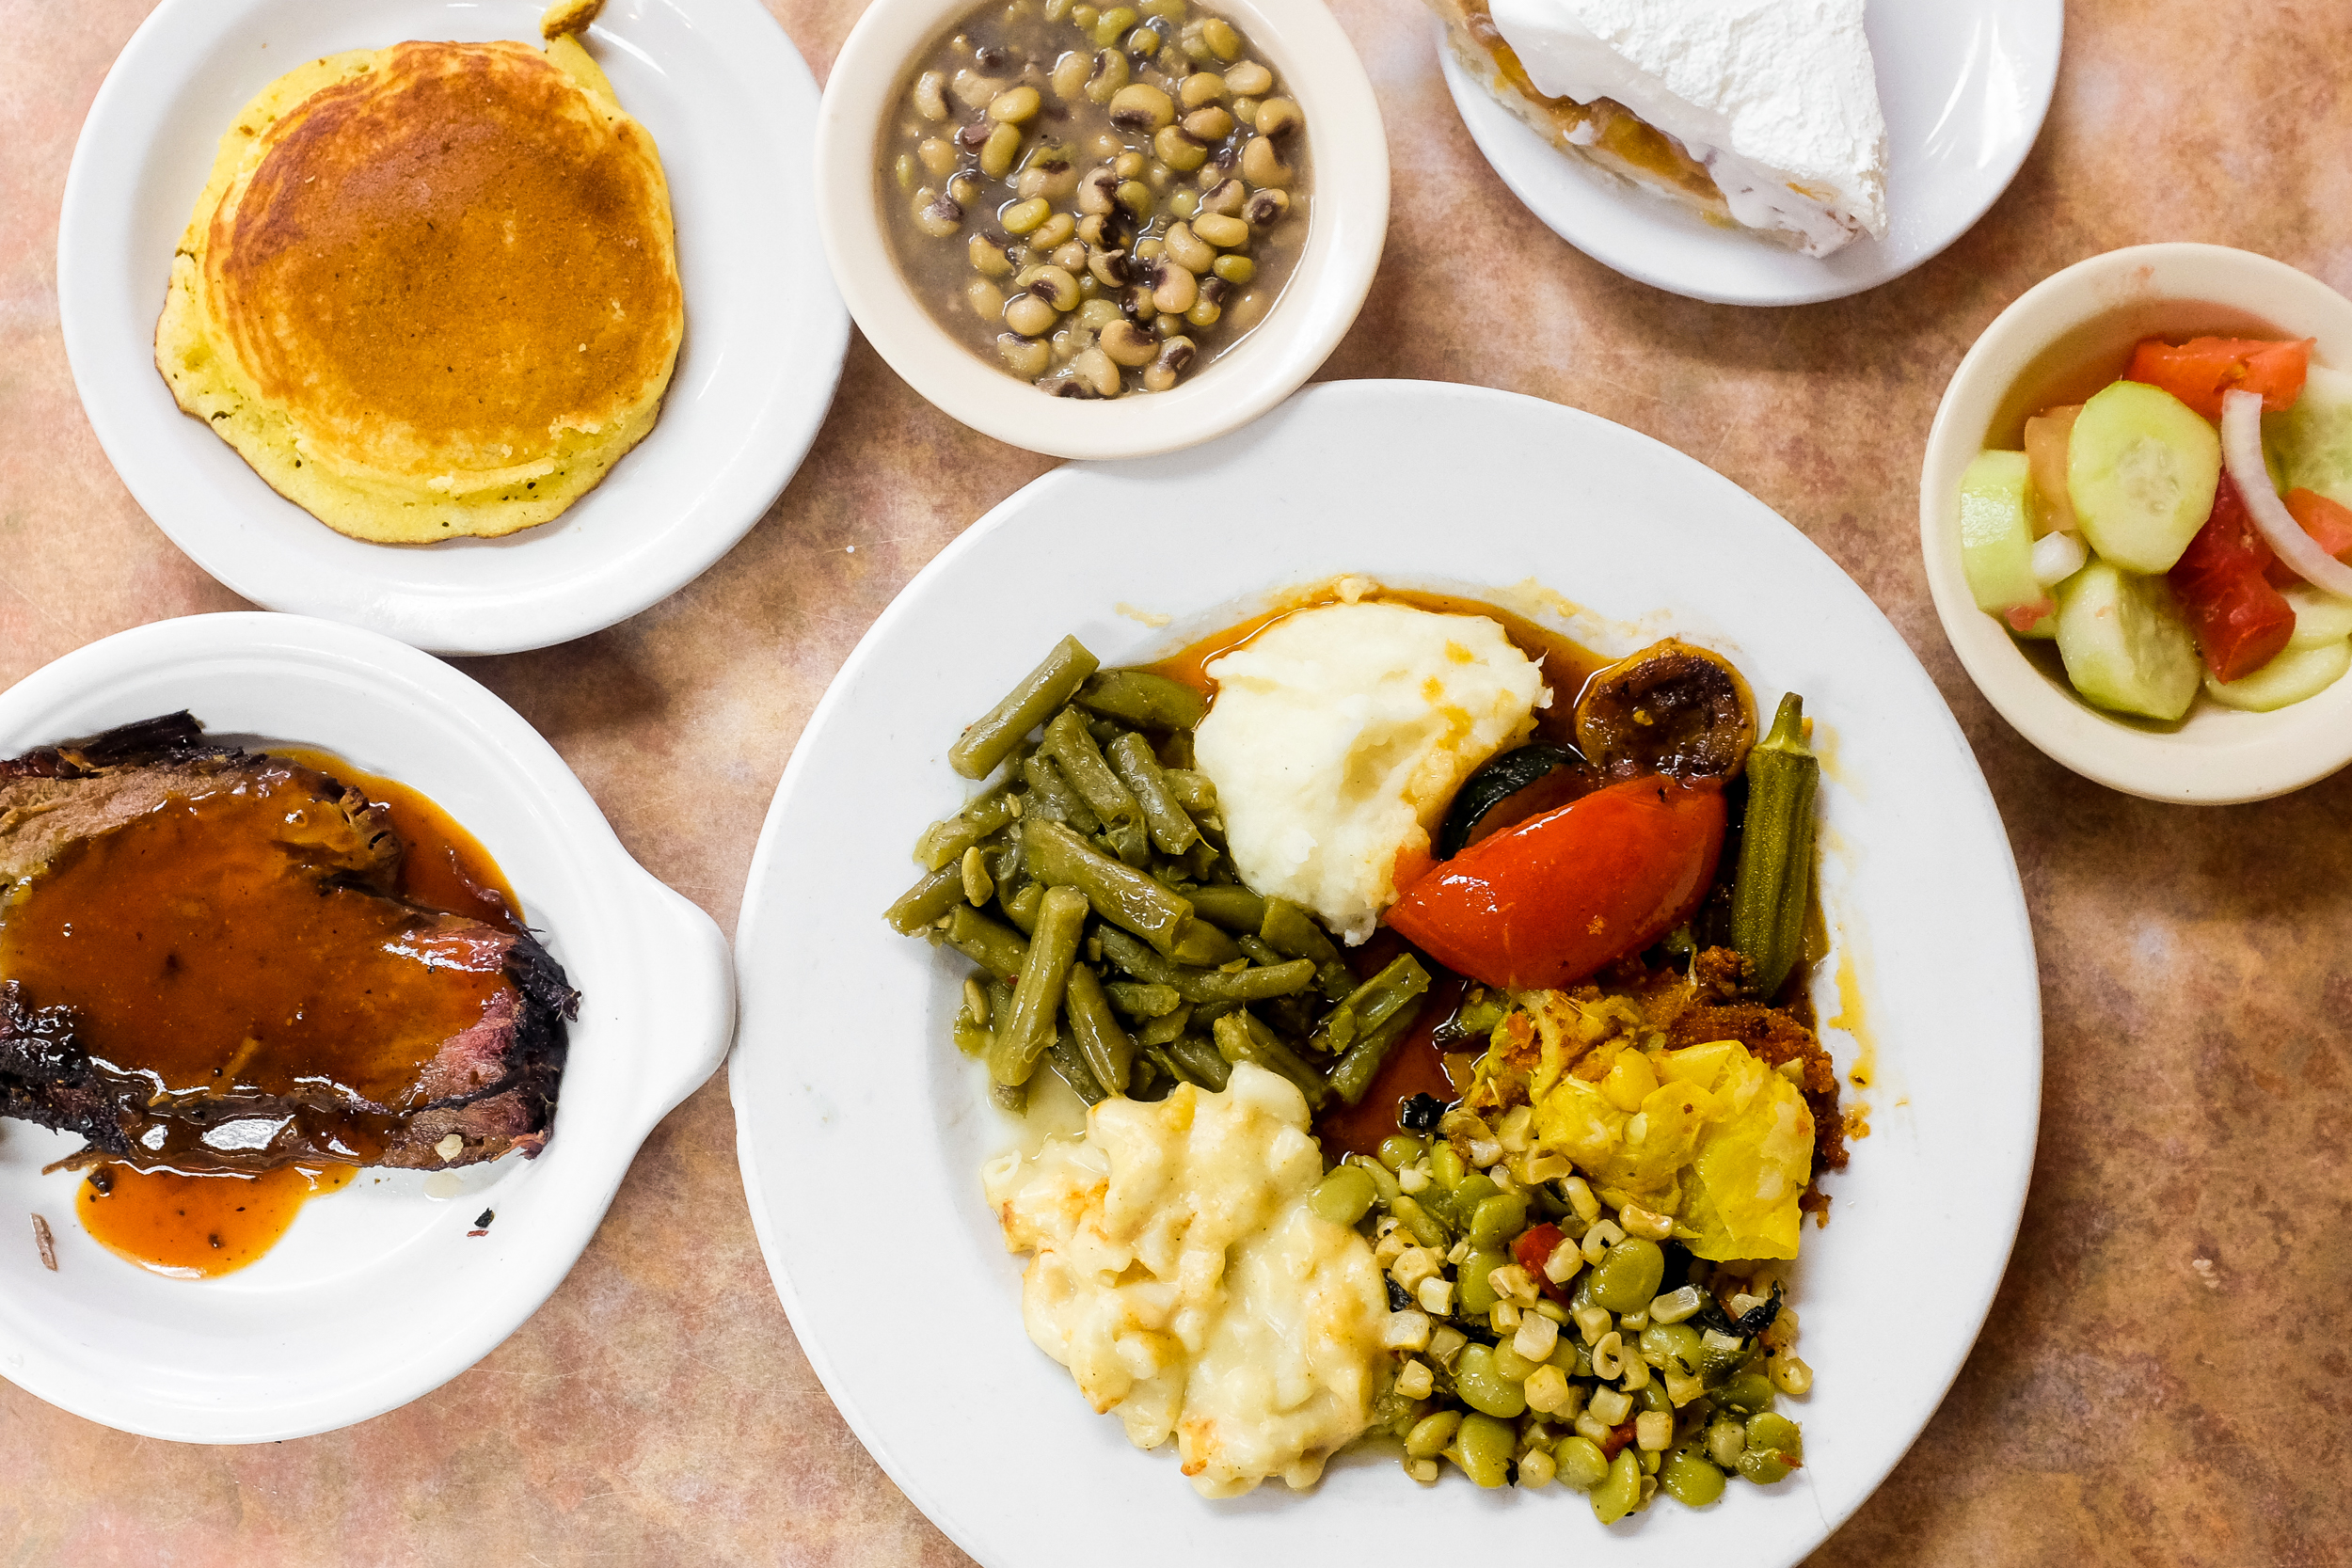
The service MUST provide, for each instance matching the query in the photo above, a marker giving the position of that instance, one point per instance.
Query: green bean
(997, 948)
(1160, 1030)
(1477, 1295)
(945, 840)
(1482, 1449)
(1238, 986)
(1037, 997)
(1101, 1040)
(1131, 842)
(1206, 947)
(1139, 771)
(1072, 747)
(971, 1037)
(992, 736)
(1012, 1098)
(1690, 1479)
(1200, 1062)
(937, 893)
(1433, 1434)
(1352, 1076)
(1142, 1001)
(1020, 906)
(1485, 1389)
(1767, 893)
(1582, 1463)
(1496, 1219)
(1119, 894)
(1426, 1227)
(1291, 932)
(1142, 698)
(1345, 1195)
(1258, 952)
(1613, 1498)
(1372, 1004)
(1626, 1278)
(1051, 798)
(1066, 1059)
(1243, 1038)
(1157, 1055)
(1193, 790)
(1233, 907)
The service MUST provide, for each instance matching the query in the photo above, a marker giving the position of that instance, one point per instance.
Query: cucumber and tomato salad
(2126, 533)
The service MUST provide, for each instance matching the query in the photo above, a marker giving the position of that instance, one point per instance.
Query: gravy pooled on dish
(1100, 201)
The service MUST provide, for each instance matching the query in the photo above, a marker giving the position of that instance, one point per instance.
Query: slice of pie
(1759, 114)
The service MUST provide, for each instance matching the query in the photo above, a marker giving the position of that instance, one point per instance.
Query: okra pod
(1242, 1038)
(1037, 997)
(1120, 892)
(1131, 758)
(1072, 746)
(1095, 1027)
(998, 949)
(992, 738)
(1372, 1004)
(1776, 873)
(1143, 699)
(926, 901)
(1353, 1074)
(945, 841)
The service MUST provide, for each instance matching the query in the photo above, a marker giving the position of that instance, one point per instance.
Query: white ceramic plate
(862, 1130)
(1963, 84)
(376, 1294)
(732, 107)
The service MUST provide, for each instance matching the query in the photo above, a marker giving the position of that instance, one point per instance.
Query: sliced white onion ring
(2242, 454)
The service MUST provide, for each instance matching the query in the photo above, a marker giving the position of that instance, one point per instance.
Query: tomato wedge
(2200, 370)
(2328, 523)
(1550, 901)
(2240, 620)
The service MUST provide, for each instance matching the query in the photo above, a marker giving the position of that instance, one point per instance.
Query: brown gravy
(197, 1227)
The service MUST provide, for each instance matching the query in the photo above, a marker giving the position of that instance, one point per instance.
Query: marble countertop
(2163, 1377)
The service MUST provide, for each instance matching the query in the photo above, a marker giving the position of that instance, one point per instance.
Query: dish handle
(696, 972)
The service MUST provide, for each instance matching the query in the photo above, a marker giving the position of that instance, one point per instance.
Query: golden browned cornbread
(430, 290)
(1604, 131)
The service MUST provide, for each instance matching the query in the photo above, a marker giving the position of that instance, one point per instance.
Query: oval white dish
(1963, 87)
(377, 1294)
(729, 102)
(843, 1063)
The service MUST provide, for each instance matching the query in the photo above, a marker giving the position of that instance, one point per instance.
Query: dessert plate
(1965, 87)
(843, 1070)
(732, 107)
(379, 1293)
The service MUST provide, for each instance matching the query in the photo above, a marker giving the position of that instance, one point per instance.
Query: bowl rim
(2215, 756)
(1347, 230)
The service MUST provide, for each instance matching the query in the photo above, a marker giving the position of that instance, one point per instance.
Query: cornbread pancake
(430, 290)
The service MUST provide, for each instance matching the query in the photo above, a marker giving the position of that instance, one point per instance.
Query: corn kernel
(1537, 1337)
(1653, 1430)
(1435, 1295)
(1593, 1429)
(1566, 1260)
(1415, 1381)
(1537, 1469)
(1423, 1470)
(1547, 1390)
(1406, 1330)
(1790, 1374)
(1646, 1223)
(1674, 1305)
(1504, 1318)
(1609, 1356)
(1446, 1342)
(1610, 1407)
(1581, 1198)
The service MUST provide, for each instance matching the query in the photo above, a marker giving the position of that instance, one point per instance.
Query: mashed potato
(1339, 735)
(1181, 1277)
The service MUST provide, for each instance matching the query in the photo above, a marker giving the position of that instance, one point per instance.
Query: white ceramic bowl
(1349, 225)
(2062, 340)
(729, 102)
(377, 1294)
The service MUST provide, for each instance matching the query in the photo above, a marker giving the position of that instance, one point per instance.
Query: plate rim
(753, 916)
(101, 185)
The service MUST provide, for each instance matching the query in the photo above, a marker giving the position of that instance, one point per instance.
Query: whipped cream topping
(1778, 99)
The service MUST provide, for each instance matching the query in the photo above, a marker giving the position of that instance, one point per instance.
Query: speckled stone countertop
(2164, 1380)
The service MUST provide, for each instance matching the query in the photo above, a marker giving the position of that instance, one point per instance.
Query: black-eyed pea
(1211, 124)
(904, 170)
(1277, 116)
(1096, 315)
(1149, 250)
(998, 152)
(1110, 269)
(1054, 10)
(1219, 35)
(1130, 166)
(1069, 77)
(937, 155)
(1083, 17)
(1156, 176)
(1135, 196)
(1202, 88)
(985, 299)
(964, 190)
(1030, 316)
(937, 213)
(1222, 231)
(1127, 344)
(975, 91)
(1235, 269)
(1015, 106)
(1070, 256)
(988, 258)
(1262, 166)
(1143, 43)
(1179, 149)
(1227, 195)
(1174, 359)
(1141, 106)
(1185, 249)
(1136, 306)
(1051, 176)
(1112, 23)
(1090, 229)
(1108, 76)
(1104, 146)
(1265, 208)
(930, 95)
(1173, 288)
(1095, 368)
(1022, 216)
(1054, 232)
(1022, 356)
(1248, 80)
(1182, 204)
(1053, 285)
(1097, 191)
(1173, 63)
(1246, 111)
(1210, 306)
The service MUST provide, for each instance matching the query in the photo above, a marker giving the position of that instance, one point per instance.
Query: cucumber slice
(2313, 440)
(2320, 617)
(2297, 674)
(2141, 466)
(1996, 531)
(2123, 644)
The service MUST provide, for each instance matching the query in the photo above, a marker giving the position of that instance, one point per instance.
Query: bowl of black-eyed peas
(1102, 231)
